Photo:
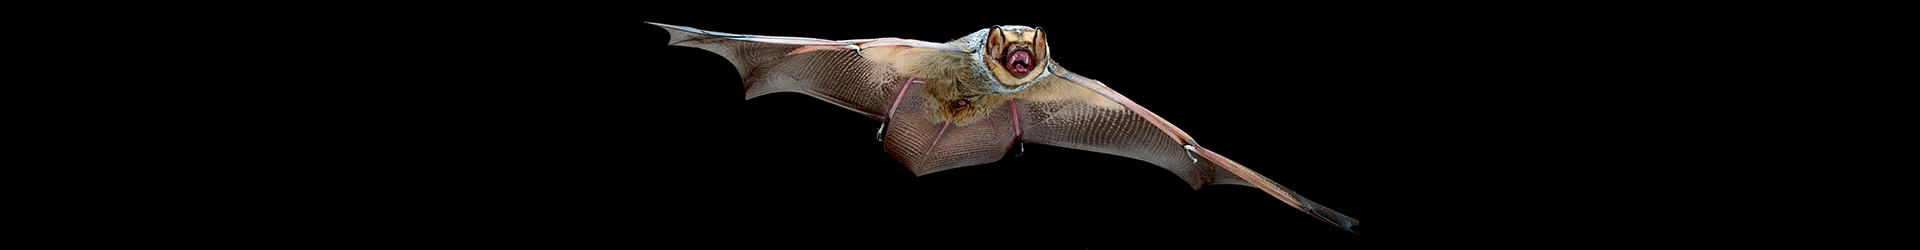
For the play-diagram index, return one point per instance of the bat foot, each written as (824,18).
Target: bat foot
(1023,150)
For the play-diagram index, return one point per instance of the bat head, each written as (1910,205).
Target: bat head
(1016,54)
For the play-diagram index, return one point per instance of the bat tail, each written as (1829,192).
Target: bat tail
(1239,175)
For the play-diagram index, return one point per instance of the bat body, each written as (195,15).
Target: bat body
(971,100)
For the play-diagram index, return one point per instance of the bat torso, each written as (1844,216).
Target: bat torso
(961,86)
(953,83)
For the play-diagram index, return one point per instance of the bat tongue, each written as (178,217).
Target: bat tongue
(1020,62)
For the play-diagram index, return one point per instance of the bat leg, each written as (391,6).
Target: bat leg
(1016,127)
(903,94)
(881,135)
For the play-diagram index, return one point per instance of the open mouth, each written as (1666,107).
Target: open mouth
(1020,62)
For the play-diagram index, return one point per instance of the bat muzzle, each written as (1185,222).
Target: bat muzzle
(1019,62)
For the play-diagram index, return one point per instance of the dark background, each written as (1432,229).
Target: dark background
(579,125)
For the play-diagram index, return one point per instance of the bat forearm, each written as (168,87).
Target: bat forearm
(1285,195)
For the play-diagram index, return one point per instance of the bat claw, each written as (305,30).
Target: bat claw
(879,134)
(1023,150)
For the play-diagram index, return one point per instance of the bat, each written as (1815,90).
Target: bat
(972,100)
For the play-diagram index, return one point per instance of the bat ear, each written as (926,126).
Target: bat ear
(1039,47)
(1040,35)
(994,38)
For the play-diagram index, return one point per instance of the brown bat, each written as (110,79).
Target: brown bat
(969,101)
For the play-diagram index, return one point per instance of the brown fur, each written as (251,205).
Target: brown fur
(1053,88)
(948,81)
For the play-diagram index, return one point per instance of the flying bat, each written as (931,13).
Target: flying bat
(971,100)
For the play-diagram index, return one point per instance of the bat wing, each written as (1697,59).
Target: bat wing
(1064,110)
(836,72)
(1084,114)
(833,71)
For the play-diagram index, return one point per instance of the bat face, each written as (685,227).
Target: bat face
(1016,54)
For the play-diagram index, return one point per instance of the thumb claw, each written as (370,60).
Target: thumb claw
(1190,158)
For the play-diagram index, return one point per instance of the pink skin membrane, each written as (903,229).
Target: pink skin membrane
(903,93)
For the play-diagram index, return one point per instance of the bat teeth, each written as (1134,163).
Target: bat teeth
(1020,61)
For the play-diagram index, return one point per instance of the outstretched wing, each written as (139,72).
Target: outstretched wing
(830,70)
(1081,113)
(839,73)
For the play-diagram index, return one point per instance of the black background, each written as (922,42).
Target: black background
(579,125)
